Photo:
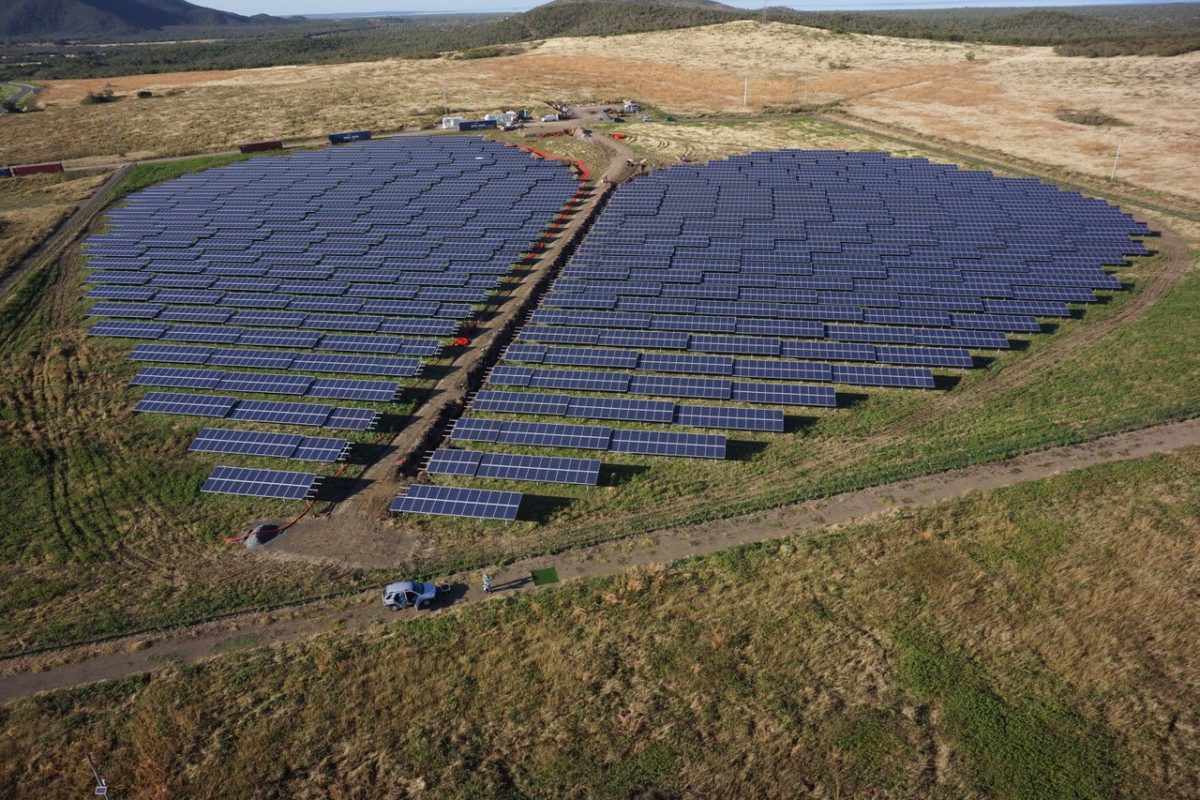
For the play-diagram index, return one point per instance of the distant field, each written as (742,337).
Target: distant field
(1006,98)
(125,541)
(1033,643)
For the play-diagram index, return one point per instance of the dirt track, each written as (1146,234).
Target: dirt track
(139,654)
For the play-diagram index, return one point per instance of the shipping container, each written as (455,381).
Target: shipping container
(349,136)
(5,172)
(36,169)
(477,125)
(257,147)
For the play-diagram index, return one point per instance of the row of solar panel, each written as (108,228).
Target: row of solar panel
(590,437)
(545,469)
(660,411)
(795,299)
(800,328)
(264,483)
(383,345)
(848,337)
(276,319)
(276,359)
(274,445)
(453,501)
(144,294)
(219,407)
(267,383)
(769,305)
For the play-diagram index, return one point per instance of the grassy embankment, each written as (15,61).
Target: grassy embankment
(1032,642)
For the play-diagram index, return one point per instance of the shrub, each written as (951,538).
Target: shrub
(94,98)
(1087,116)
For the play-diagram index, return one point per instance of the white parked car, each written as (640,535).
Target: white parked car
(409,594)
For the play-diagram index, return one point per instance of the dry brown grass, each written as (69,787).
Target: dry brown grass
(1003,100)
(31,207)
(1058,614)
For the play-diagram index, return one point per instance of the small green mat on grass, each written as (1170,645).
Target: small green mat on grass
(541,577)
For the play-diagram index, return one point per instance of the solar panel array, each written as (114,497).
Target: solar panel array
(322,275)
(768,280)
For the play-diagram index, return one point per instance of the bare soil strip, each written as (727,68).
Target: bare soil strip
(134,655)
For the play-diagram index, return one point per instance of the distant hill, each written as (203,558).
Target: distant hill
(610,17)
(90,19)
(28,29)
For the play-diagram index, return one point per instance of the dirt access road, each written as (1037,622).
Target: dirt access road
(134,655)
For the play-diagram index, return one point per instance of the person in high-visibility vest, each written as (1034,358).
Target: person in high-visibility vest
(487,583)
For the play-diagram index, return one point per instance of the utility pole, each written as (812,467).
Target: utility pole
(806,89)
(445,101)
(746,92)
(1113,175)
(101,788)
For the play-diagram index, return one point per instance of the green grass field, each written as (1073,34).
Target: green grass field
(1032,642)
(109,533)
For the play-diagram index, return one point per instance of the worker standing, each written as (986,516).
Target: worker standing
(487,583)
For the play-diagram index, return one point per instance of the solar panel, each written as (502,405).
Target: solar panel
(323,449)
(178,378)
(899,377)
(749,345)
(782,370)
(680,362)
(791,394)
(258,359)
(510,376)
(264,383)
(656,443)
(343,389)
(541,434)
(580,380)
(723,417)
(529,353)
(707,388)
(125,310)
(214,334)
(194,405)
(171,353)
(282,413)
(352,419)
(260,483)
(447,461)
(249,443)
(521,403)
(615,408)
(384,345)
(423,498)
(365,365)
(543,469)
(131,330)
(587,357)
(477,429)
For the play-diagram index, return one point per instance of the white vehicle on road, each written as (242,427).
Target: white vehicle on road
(410,594)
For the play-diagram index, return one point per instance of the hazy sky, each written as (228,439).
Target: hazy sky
(286,7)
